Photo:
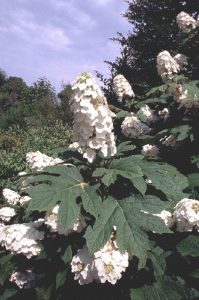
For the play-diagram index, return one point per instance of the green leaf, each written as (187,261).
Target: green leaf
(165,178)
(193,180)
(44,293)
(158,257)
(165,289)
(91,200)
(8,294)
(140,184)
(189,246)
(64,185)
(132,224)
(181,132)
(67,256)
(195,273)
(126,167)
(6,267)
(124,147)
(62,277)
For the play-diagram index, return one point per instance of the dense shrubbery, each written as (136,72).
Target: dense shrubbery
(16,142)
(119,205)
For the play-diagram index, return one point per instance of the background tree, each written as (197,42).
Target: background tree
(154,29)
(64,106)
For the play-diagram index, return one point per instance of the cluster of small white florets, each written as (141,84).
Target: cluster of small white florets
(122,87)
(24,280)
(148,113)
(13,198)
(37,161)
(186,215)
(185,22)
(164,114)
(169,141)
(21,239)
(150,150)
(107,264)
(51,220)
(167,65)
(6,214)
(93,123)
(132,127)
(183,97)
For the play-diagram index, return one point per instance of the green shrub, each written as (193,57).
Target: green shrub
(16,142)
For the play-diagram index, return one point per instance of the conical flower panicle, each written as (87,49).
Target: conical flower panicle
(122,87)
(93,123)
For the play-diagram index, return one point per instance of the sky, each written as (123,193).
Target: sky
(58,39)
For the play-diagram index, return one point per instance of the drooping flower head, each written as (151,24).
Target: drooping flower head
(132,127)
(186,215)
(122,87)
(51,220)
(185,22)
(106,265)
(93,124)
(150,150)
(167,66)
(21,239)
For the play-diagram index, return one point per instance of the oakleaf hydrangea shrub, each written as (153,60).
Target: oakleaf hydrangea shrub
(116,214)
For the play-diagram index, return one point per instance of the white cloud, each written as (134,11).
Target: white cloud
(24,25)
(72,10)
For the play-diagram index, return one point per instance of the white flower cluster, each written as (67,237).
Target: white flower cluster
(185,22)
(24,280)
(148,113)
(21,239)
(13,198)
(164,114)
(169,141)
(132,127)
(106,265)
(150,150)
(186,215)
(93,124)
(37,161)
(183,97)
(51,220)
(122,87)
(6,214)
(167,65)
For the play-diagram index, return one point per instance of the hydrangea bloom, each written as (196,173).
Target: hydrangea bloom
(185,22)
(37,161)
(82,266)
(6,214)
(169,141)
(93,124)
(21,239)
(150,150)
(186,215)
(167,66)
(110,262)
(183,97)
(122,87)
(24,280)
(107,264)
(148,113)
(51,220)
(13,198)
(164,114)
(132,127)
